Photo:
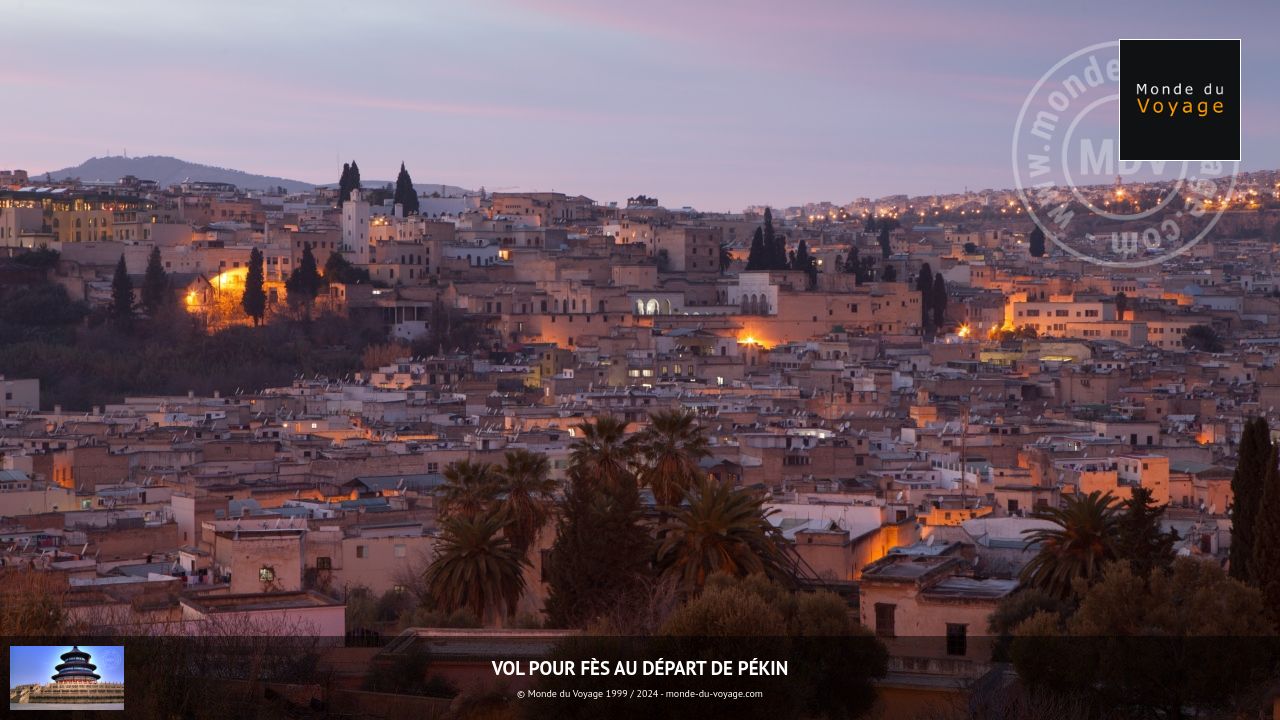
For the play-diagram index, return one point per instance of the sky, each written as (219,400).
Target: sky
(707,103)
(34,663)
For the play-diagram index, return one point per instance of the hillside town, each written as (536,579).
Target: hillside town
(911,394)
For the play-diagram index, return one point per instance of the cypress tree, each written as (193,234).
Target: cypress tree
(889,274)
(885,249)
(405,195)
(851,262)
(1036,242)
(155,284)
(601,555)
(1265,564)
(924,281)
(802,258)
(1140,541)
(781,258)
(756,259)
(304,282)
(355,176)
(775,248)
(121,307)
(924,285)
(254,300)
(1246,488)
(939,300)
(344,183)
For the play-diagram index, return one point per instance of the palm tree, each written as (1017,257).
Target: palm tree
(602,454)
(720,529)
(469,488)
(1083,541)
(671,447)
(476,566)
(525,495)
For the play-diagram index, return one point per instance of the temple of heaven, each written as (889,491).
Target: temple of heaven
(75,667)
(75,686)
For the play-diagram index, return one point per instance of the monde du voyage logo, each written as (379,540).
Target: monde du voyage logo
(1124,151)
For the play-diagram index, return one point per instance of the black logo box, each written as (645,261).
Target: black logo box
(1186,65)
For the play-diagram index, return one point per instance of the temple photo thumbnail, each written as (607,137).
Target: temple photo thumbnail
(61,677)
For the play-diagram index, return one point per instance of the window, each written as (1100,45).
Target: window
(957,639)
(360,551)
(884,619)
(267,574)
(399,551)
(324,563)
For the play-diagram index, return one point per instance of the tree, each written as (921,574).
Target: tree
(833,660)
(602,454)
(254,300)
(1190,637)
(726,258)
(1266,541)
(721,529)
(304,282)
(32,602)
(1035,242)
(804,262)
(1246,489)
(1203,338)
(602,555)
(344,183)
(476,567)
(1122,302)
(889,274)
(671,447)
(756,258)
(121,307)
(970,249)
(155,284)
(41,256)
(885,248)
(1083,541)
(775,246)
(337,269)
(349,181)
(526,495)
(728,609)
(1017,608)
(938,299)
(1140,540)
(469,488)
(924,280)
(924,285)
(406,196)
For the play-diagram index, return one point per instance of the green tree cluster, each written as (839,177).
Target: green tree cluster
(349,181)
(768,249)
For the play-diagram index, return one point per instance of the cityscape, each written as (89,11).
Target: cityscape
(365,446)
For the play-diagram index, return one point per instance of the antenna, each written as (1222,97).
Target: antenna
(964,483)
